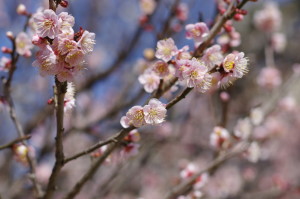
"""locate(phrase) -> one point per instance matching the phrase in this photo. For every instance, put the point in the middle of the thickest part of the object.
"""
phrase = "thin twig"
(15, 141)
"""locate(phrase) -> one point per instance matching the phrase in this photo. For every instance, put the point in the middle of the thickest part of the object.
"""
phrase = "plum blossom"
(130, 150)
(236, 64)
(268, 19)
(23, 44)
(46, 60)
(21, 151)
(66, 22)
(196, 75)
(269, 78)
(189, 171)
(213, 56)
(69, 101)
(87, 41)
(133, 136)
(278, 42)
(5, 64)
(219, 138)
(201, 181)
(257, 116)
(182, 11)
(154, 112)
(183, 53)
(147, 6)
(243, 128)
(161, 68)
(166, 49)
(47, 23)
(253, 152)
(150, 80)
(21, 9)
(136, 116)
(198, 32)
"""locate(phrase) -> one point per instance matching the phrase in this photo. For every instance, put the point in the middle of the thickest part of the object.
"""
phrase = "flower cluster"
(62, 52)
(153, 113)
(190, 170)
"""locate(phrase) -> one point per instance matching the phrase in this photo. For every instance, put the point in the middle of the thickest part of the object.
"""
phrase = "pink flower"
(243, 128)
(278, 42)
(46, 60)
(136, 116)
(236, 64)
(269, 19)
(219, 138)
(69, 101)
(182, 11)
(131, 149)
(66, 22)
(161, 68)
(75, 57)
(198, 32)
(253, 153)
(213, 56)
(147, 6)
(166, 49)
(23, 44)
(133, 136)
(196, 75)
(47, 23)
(201, 181)
(66, 45)
(154, 112)
(183, 53)
(150, 80)
(269, 78)
(5, 64)
(125, 122)
(87, 42)
(189, 171)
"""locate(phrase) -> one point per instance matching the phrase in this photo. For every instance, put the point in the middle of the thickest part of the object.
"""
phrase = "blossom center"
(229, 65)
(48, 24)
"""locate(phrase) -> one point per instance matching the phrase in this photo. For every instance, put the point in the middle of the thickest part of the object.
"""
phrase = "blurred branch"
(186, 185)
(15, 141)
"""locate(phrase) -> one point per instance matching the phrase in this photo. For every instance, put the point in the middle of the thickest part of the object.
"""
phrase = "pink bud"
(64, 4)
(10, 35)
(4, 49)
(238, 17)
(21, 9)
(224, 96)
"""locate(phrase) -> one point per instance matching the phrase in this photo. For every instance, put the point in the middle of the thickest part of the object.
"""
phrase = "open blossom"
(236, 64)
(147, 6)
(243, 128)
(23, 44)
(219, 138)
(198, 32)
(182, 11)
(150, 80)
(268, 19)
(161, 68)
(47, 23)
(166, 49)
(69, 101)
(196, 75)
(135, 116)
(269, 78)
(257, 116)
(66, 22)
(154, 112)
(253, 153)
(87, 41)
(183, 53)
(5, 64)
(46, 60)
(213, 56)
(278, 42)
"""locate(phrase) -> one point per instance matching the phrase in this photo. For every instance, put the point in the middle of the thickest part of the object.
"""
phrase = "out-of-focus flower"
(288, 103)
(133, 136)
(47, 23)
(21, 151)
(253, 152)
(213, 56)
(21, 9)
(268, 19)
(161, 68)
(198, 32)
(256, 116)
(147, 6)
(278, 42)
(166, 49)
(183, 53)
(5, 64)
(69, 101)
(23, 44)
(189, 171)
(154, 112)
(243, 128)
(269, 78)
(182, 11)
(130, 150)
(149, 53)
(150, 80)
(201, 181)
(219, 138)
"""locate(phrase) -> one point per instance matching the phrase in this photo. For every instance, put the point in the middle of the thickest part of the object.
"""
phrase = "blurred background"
(125, 35)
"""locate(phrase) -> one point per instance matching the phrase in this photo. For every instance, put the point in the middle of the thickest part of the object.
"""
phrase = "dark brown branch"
(15, 141)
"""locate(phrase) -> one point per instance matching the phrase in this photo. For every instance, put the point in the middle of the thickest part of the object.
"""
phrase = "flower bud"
(10, 35)
(4, 49)
(21, 9)
(64, 4)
